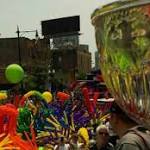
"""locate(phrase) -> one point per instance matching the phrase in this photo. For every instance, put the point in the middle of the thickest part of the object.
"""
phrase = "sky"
(28, 14)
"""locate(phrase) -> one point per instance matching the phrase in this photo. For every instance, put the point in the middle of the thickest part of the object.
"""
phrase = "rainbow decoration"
(30, 93)
(9, 139)
(59, 117)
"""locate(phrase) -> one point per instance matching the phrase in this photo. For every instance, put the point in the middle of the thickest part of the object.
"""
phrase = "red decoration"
(63, 96)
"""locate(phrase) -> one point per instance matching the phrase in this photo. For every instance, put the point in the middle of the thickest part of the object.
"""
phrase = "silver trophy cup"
(122, 31)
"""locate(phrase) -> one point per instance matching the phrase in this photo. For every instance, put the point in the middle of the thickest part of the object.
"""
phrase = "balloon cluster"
(62, 117)
(8, 135)
(49, 117)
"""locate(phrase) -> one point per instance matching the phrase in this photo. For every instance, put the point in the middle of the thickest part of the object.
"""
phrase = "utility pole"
(19, 49)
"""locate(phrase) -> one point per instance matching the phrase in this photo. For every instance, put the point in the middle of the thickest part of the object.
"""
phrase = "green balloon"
(14, 73)
(41, 148)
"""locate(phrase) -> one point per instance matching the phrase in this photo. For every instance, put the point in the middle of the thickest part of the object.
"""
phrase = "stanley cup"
(122, 31)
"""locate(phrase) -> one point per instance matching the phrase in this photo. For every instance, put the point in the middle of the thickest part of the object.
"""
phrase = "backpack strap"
(143, 139)
(144, 136)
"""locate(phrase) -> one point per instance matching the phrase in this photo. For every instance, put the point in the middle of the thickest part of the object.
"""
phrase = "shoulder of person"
(127, 146)
(55, 147)
(130, 137)
(143, 133)
(93, 147)
(133, 138)
(129, 141)
(110, 146)
(67, 145)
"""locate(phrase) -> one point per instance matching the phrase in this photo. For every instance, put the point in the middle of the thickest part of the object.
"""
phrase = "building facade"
(66, 63)
(32, 53)
(70, 62)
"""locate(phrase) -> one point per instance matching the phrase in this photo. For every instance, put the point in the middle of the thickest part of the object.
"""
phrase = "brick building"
(70, 62)
(32, 53)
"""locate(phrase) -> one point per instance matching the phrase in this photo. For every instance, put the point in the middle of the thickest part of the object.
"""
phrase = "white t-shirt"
(63, 147)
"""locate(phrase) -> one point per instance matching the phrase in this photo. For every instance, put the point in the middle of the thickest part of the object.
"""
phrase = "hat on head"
(115, 108)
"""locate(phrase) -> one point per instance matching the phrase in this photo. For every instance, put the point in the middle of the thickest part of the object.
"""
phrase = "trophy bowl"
(122, 33)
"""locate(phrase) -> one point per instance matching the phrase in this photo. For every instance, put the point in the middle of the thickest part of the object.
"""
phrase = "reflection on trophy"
(122, 31)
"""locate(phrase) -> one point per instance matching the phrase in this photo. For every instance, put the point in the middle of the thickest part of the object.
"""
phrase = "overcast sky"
(28, 14)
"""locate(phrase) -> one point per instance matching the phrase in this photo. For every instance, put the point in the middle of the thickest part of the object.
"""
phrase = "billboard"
(60, 26)
(63, 41)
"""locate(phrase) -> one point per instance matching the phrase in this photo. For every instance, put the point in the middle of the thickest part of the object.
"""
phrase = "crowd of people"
(127, 135)
(117, 132)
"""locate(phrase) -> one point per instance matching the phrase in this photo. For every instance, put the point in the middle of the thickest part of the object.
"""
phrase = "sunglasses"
(103, 133)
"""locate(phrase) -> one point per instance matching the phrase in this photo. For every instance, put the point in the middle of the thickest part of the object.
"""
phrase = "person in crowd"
(113, 136)
(62, 145)
(102, 138)
(77, 142)
(74, 144)
(132, 135)
(92, 142)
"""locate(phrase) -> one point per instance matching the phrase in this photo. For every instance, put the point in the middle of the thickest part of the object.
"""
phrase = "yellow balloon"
(47, 96)
(3, 96)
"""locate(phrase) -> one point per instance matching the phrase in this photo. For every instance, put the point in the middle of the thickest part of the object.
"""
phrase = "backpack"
(143, 133)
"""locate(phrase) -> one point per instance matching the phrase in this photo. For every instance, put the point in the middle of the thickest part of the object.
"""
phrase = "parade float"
(35, 120)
